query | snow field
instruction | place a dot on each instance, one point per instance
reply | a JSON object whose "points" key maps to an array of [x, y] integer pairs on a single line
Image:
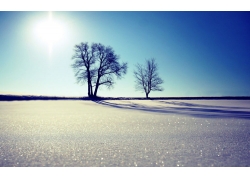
{"points": [[125, 133]]}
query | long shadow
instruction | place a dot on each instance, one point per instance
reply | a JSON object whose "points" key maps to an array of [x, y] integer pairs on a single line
{"points": [[198, 111], [200, 105]]}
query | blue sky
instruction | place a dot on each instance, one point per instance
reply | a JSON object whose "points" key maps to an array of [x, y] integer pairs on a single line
{"points": [[198, 53]]}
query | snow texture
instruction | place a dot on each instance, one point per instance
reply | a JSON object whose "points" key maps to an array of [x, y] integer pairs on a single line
{"points": [[125, 133]]}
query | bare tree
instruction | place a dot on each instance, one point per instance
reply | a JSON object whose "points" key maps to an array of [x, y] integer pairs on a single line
{"points": [[97, 66], [84, 59], [108, 67], [147, 78]]}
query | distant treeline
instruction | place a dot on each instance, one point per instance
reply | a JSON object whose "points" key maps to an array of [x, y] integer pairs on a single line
{"points": [[27, 98]]}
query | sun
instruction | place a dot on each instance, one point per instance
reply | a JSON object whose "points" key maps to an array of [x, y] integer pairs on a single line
{"points": [[50, 31]]}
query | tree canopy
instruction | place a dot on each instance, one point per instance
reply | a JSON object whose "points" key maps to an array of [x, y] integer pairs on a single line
{"points": [[97, 65], [147, 78]]}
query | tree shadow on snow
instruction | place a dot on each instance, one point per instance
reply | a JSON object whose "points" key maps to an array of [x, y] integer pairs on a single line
{"points": [[187, 109], [200, 105]]}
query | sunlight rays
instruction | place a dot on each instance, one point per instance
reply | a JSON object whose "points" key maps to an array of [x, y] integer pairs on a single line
{"points": [[50, 31]]}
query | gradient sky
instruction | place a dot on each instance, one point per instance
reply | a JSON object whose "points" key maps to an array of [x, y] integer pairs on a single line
{"points": [[198, 53]]}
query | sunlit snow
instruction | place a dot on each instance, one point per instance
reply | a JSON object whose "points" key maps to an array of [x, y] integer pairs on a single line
{"points": [[125, 133]]}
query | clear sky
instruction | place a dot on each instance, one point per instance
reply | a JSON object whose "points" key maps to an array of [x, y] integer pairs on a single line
{"points": [[198, 53]]}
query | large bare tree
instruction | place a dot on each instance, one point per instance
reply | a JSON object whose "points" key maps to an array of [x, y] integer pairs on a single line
{"points": [[147, 78], [97, 65], [107, 67], [84, 59]]}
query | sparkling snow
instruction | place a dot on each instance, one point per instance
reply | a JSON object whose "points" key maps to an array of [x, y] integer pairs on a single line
{"points": [[125, 133]]}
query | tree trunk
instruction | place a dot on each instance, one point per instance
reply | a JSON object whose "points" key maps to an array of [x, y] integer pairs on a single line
{"points": [[147, 95], [96, 86], [91, 90], [89, 83], [88, 89]]}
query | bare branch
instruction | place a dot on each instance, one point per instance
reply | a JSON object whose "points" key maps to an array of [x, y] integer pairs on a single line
{"points": [[96, 65], [147, 78]]}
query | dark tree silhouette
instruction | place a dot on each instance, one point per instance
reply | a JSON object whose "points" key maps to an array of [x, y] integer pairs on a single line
{"points": [[107, 67], [147, 78], [97, 65], [84, 59]]}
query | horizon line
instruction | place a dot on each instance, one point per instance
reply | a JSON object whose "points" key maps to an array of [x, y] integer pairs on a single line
{"points": [[9, 97]]}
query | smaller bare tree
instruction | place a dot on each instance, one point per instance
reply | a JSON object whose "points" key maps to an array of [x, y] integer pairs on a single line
{"points": [[147, 78]]}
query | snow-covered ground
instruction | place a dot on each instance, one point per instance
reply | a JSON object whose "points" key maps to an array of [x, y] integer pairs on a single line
{"points": [[125, 133]]}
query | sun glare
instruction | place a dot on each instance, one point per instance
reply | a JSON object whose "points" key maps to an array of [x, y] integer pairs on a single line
{"points": [[50, 31]]}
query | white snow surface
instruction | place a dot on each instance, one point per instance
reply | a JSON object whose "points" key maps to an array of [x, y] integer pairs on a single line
{"points": [[142, 133]]}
